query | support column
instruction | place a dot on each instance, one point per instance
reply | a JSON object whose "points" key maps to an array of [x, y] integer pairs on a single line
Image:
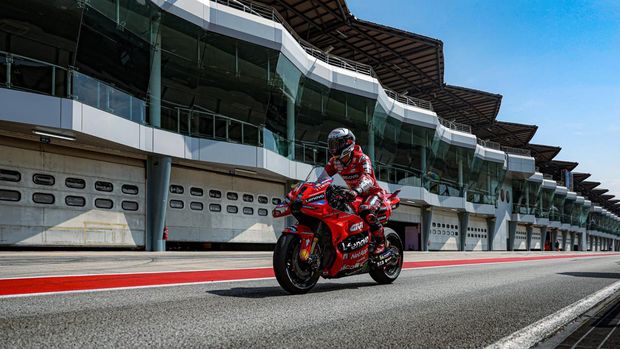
{"points": [[427, 218], [461, 175], [528, 239], [371, 141], [158, 182], [512, 232], [290, 126], [463, 222], [543, 237], [423, 166], [491, 233], [155, 75], [564, 233], [573, 236]]}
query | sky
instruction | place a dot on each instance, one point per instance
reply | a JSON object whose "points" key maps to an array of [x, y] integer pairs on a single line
{"points": [[556, 63]]}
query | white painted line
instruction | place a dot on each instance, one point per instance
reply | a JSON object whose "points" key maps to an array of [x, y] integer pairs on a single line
{"points": [[536, 332]]}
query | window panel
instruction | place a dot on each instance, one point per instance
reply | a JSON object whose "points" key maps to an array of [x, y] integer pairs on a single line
{"points": [[77, 201], [104, 186], [43, 179], [129, 205], [75, 183], [129, 189], [178, 204], [10, 195], [43, 198], [106, 204], [10, 175]]}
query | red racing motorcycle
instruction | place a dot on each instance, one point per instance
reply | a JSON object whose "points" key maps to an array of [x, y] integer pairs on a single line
{"points": [[330, 239]]}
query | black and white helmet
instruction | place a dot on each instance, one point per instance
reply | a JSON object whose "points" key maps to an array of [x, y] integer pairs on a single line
{"points": [[341, 142]]}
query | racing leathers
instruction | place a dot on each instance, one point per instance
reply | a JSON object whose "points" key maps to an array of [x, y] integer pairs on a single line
{"points": [[360, 178]]}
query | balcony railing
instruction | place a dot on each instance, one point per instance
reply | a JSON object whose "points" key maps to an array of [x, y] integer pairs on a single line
{"points": [[270, 13], [517, 151], [489, 144], [416, 102], [27, 74], [455, 125]]}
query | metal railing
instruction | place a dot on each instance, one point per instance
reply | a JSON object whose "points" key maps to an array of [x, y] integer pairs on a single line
{"points": [[516, 151], [270, 13], [489, 144], [416, 102], [398, 174], [454, 125], [50, 79]]}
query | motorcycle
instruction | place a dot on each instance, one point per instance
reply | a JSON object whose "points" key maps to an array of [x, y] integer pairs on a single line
{"points": [[330, 239]]}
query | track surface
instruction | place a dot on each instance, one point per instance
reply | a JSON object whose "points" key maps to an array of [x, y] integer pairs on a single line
{"points": [[464, 306]]}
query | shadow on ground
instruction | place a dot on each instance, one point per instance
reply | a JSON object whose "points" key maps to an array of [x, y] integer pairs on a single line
{"points": [[276, 291], [593, 275]]}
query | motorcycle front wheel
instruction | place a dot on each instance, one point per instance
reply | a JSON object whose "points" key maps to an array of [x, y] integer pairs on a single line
{"points": [[389, 273], [295, 276]]}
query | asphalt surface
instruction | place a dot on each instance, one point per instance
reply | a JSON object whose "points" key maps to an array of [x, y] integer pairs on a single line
{"points": [[459, 307]]}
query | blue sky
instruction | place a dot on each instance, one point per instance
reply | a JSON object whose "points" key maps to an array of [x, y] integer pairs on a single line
{"points": [[557, 64]]}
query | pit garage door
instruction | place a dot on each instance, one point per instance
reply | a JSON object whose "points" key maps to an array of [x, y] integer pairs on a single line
{"points": [[535, 242], [49, 199], [477, 234], [206, 206], [444, 232], [520, 243]]}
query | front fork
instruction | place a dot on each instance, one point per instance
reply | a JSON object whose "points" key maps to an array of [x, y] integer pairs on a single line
{"points": [[308, 240], [308, 243]]}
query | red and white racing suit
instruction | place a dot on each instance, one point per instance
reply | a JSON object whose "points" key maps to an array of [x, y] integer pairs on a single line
{"points": [[360, 177]]}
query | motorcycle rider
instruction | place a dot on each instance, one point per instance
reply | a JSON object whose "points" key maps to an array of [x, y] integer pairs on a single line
{"points": [[355, 167]]}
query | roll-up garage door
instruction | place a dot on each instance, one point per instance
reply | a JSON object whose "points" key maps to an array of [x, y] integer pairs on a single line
{"points": [[49, 199], [206, 206]]}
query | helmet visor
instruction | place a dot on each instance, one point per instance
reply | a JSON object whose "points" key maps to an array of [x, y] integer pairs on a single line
{"points": [[335, 146]]}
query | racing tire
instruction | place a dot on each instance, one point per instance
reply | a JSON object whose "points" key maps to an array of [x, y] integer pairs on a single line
{"points": [[294, 276], [388, 274]]}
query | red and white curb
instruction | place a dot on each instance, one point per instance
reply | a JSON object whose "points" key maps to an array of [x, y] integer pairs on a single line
{"points": [[44, 285]]}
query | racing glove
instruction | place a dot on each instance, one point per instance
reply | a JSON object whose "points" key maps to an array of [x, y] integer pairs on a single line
{"points": [[350, 194]]}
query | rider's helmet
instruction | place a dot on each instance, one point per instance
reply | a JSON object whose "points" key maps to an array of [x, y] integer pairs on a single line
{"points": [[341, 142]]}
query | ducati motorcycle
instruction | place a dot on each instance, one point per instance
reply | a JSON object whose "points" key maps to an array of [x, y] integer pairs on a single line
{"points": [[330, 239]]}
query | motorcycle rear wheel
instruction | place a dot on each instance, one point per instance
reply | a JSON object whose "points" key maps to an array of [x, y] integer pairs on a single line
{"points": [[389, 273], [295, 276]]}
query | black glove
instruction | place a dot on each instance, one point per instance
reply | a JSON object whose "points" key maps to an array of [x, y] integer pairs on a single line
{"points": [[350, 194]]}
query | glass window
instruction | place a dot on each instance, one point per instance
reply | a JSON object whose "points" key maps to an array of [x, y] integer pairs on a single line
{"points": [[248, 198], [129, 205], [232, 196], [43, 179], [263, 199], [215, 207], [75, 183], [106, 204], [196, 191], [262, 212], [232, 209], [215, 194], [104, 186], [129, 189], [10, 176], [276, 201], [77, 201], [178, 204], [248, 211], [176, 189], [43, 198], [10, 195], [196, 206]]}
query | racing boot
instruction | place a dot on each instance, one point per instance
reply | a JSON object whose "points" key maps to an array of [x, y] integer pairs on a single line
{"points": [[379, 238]]}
